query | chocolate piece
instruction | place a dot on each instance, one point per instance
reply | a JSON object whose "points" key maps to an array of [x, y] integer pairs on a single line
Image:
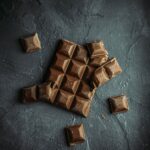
{"points": [[107, 71], [75, 134], [81, 106], [97, 49], [118, 104], [31, 43], [47, 92], [113, 68], [30, 94], [100, 77], [64, 99]]}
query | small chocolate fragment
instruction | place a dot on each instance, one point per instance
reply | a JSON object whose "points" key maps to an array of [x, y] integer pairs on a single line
{"points": [[75, 134], [112, 68], [118, 104], [47, 92], [31, 43], [30, 94]]}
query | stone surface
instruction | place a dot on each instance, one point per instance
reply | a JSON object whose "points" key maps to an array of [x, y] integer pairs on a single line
{"points": [[124, 26]]}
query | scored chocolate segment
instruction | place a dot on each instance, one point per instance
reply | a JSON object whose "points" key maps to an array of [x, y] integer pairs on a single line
{"points": [[81, 106], [81, 54], [70, 84], [64, 99], [47, 92], [76, 69], [100, 77], [75, 134], [113, 68], [119, 104], [66, 47], [61, 62], [56, 76], [30, 94]]}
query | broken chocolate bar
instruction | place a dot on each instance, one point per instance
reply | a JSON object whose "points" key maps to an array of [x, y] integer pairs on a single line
{"points": [[75, 134], [118, 104], [30, 94], [31, 43]]}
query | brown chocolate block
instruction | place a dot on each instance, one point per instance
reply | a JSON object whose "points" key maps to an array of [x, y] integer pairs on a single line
{"points": [[70, 84], [30, 94], [81, 106], [61, 62], [81, 54], [112, 68], [97, 49], [100, 77], [76, 69], [56, 76], [75, 134], [66, 48], [89, 72], [47, 92], [118, 104], [64, 99], [31, 43], [85, 91]]}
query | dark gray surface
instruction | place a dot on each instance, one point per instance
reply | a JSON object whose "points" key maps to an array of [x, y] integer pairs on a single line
{"points": [[124, 26]]}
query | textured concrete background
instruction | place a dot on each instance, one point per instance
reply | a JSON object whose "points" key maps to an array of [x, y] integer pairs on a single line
{"points": [[124, 26]]}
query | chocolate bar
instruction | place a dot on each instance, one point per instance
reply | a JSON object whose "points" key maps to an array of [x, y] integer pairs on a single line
{"points": [[31, 43], [118, 104], [75, 74], [75, 134]]}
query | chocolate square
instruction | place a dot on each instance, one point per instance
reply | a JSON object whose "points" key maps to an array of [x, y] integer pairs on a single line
{"points": [[64, 99], [66, 47], [113, 68], [31, 43], [118, 104], [70, 84], [76, 69], [100, 77], [30, 94], [75, 134], [81, 106], [47, 92], [97, 49], [56, 76], [61, 62]]}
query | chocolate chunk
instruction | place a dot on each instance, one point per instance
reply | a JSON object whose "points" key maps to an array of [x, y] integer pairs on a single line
{"points": [[81, 106], [64, 99], [112, 68], [100, 77], [30, 94], [47, 92], [31, 43], [75, 134], [97, 49], [118, 104]]}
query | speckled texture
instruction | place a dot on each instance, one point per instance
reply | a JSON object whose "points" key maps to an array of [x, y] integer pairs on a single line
{"points": [[125, 28]]}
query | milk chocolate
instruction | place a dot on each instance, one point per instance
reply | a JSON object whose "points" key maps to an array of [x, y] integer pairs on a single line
{"points": [[75, 134], [30, 94], [118, 104], [31, 43]]}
